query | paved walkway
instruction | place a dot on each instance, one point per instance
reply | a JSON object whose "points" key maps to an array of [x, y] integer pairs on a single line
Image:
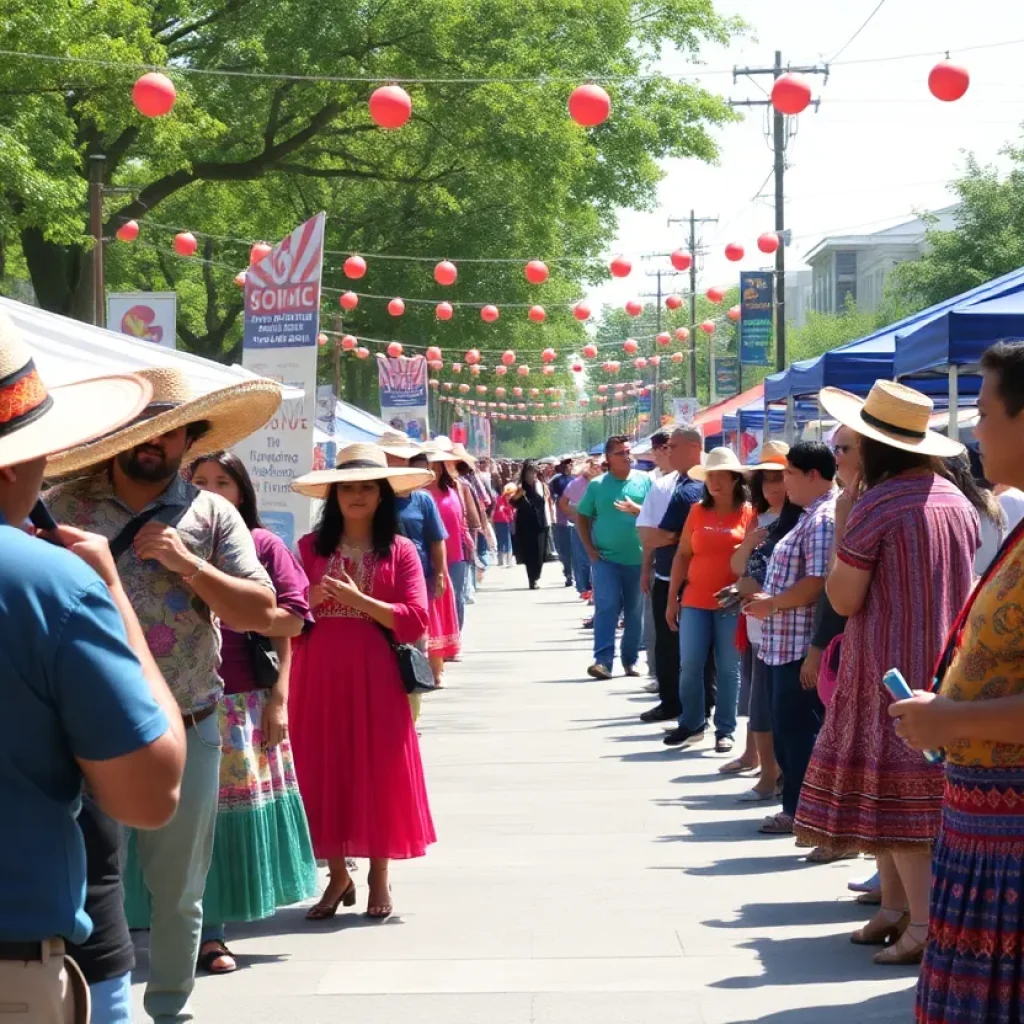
{"points": [[584, 873]]}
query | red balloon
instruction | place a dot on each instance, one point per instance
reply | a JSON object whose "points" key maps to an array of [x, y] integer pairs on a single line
{"points": [[501, 370], [348, 343], [589, 105], [630, 346], [500, 392], [734, 252], [394, 349], [390, 106], [321, 339], [681, 260], [654, 360], [536, 272], [475, 370], [791, 94], [464, 388], [534, 393], [363, 353], [620, 267], [673, 302], [640, 362], [948, 82], [445, 272], [348, 300], [548, 369], [682, 333], [583, 400], [581, 311], [734, 313], [444, 311], [602, 388], [664, 338], [768, 242], [185, 243], [259, 252], [456, 367], [128, 231], [537, 314], [577, 367], [481, 389], [396, 307], [715, 294], [518, 392], [489, 314], [708, 326], [634, 308], [433, 353], [524, 371], [549, 355], [508, 357], [435, 383], [436, 364], [355, 267], [590, 351], [472, 357], [676, 357], [240, 279], [154, 94]]}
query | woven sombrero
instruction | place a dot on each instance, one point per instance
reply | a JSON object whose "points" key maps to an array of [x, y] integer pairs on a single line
{"points": [[398, 444], [359, 462], [36, 422], [231, 414]]}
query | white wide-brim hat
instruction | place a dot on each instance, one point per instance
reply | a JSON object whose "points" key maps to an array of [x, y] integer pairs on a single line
{"points": [[398, 444], [717, 460], [361, 462]]}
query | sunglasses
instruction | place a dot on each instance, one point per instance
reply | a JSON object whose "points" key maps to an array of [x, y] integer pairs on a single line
{"points": [[842, 449]]}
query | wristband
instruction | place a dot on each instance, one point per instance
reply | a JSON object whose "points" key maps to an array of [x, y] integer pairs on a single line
{"points": [[198, 565]]}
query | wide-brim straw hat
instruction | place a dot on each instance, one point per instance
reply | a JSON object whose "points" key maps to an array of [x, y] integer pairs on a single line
{"points": [[37, 422], [441, 449], [773, 458], [231, 414], [398, 444], [893, 414], [718, 459], [357, 463]]}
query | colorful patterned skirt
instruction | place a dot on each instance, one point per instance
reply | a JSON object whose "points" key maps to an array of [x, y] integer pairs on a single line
{"points": [[262, 853], [443, 639], [972, 969]]}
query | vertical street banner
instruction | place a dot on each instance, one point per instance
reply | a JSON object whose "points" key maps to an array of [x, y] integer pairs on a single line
{"points": [[148, 316], [757, 313], [479, 435], [727, 376], [402, 383], [684, 410], [282, 320]]}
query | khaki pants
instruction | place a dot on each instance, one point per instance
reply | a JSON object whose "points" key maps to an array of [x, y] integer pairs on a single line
{"points": [[47, 991]]}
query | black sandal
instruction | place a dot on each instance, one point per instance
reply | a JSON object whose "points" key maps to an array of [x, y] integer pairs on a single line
{"points": [[324, 911], [206, 960]]}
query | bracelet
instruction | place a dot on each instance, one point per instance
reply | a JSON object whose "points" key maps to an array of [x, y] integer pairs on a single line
{"points": [[198, 566]]}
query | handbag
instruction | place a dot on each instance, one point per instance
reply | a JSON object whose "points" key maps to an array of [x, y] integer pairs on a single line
{"points": [[413, 666], [264, 660]]}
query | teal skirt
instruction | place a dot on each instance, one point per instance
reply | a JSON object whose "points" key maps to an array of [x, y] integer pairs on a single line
{"points": [[262, 854]]}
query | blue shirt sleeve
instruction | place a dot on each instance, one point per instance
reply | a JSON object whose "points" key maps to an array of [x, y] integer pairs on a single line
{"points": [[101, 695], [433, 527]]}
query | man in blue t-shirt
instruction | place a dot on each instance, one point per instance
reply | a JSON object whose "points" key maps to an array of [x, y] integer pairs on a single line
{"points": [[81, 692]]}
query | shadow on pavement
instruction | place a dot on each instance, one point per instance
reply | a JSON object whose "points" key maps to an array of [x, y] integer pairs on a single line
{"points": [[893, 1006], [789, 915], [746, 866]]}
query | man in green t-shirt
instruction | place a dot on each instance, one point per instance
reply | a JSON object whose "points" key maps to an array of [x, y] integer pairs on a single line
{"points": [[606, 520]]}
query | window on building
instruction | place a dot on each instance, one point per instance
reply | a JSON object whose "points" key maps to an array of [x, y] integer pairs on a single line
{"points": [[846, 278]]}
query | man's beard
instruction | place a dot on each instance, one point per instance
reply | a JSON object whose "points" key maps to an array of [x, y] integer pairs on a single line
{"points": [[154, 470]]}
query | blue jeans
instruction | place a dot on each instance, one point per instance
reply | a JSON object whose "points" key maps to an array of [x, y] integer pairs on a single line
{"points": [[112, 1000], [698, 628], [458, 571], [580, 561], [616, 592], [503, 535], [563, 547], [797, 715]]}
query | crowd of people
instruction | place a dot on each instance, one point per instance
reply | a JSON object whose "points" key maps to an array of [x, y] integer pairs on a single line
{"points": [[204, 714]]}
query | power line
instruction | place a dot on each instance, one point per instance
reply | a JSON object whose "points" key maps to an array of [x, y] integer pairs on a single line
{"points": [[867, 21]]}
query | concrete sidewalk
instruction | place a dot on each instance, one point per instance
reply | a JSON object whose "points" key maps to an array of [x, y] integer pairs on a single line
{"points": [[583, 872]]}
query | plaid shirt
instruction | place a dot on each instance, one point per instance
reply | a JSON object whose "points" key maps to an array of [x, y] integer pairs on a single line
{"points": [[804, 551]]}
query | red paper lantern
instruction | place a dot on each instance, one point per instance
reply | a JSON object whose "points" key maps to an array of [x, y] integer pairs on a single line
{"points": [[583, 400], [549, 355], [537, 314], [501, 370], [676, 357], [734, 313], [363, 353], [348, 343], [524, 371], [589, 105], [948, 82], [734, 252], [445, 273], [634, 308], [518, 392], [348, 300], [464, 389], [590, 350], [433, 353], [240, 279], [715, 294], [436, 364], [630, 346], [581, 311], [321, 339], [444, 311], [489, 314], [355, 267], [791, 94], [614, 366], [128, 231], [508, 357], [396, 307], [534, 392], [536, 272], [547, 370], [768, 242], [394, 349], [447, 385], [708, 326], [475, 370], [654, 360], [500, 392], [390, 106], [481, 389], [259, 252], [620, 267], [673, 302], [576, 367], [435, 383], [154, 94], [640, 362], [681, 260], [682, 333], [185, 243], [456, 367], [473, 357], [664, 338]]}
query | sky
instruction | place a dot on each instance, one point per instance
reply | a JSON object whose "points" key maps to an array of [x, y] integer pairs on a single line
{"points": [[880, 148]]}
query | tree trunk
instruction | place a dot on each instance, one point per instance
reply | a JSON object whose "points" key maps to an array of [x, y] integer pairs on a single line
{"points": [[58, 274]]}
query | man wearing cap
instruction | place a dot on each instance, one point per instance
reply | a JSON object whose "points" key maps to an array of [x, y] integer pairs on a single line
{"points": [[188, 560], [81, 691]]}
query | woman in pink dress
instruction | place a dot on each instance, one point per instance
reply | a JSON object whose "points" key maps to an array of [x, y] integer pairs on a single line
{"points": [[445, 492], [356, 752]]}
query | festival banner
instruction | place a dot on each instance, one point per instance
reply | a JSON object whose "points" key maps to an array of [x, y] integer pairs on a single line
{"points": [[757, 312], [282, 320], [479, 442], [403, 394], [149, 316], [684, 410], [727, 376]]}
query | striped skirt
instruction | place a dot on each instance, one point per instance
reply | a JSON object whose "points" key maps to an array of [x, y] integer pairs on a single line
{"points": [[972, 969]]}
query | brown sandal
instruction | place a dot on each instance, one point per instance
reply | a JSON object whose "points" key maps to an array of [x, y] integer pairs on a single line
{"points": [[906, 950], [324, 911], [880, 932]]}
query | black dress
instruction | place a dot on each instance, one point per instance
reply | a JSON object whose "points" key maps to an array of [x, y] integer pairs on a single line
{"points": [[530, 542]]}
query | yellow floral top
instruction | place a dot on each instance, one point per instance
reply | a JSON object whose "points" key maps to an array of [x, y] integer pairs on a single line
{"points": [[989, 662]]}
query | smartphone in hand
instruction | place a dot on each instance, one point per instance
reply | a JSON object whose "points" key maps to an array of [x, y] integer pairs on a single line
{"points": [[41, 519]]}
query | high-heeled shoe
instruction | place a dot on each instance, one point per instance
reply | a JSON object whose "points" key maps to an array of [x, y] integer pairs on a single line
{"points": [[906, 950], [878, 933], [324, 911], [380, 911]]}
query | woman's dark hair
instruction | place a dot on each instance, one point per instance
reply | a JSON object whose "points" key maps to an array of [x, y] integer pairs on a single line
{"points": [[957, 470], [1005, 359], [522, 473], [445, 481], [235, 468], [332, 523], [420, 461], [739, 493], [757, 498], [464, 468], [879, 461]]}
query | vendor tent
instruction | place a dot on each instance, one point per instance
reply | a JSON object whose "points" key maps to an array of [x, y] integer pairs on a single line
{"points": [[710, 419], [352, 424]]}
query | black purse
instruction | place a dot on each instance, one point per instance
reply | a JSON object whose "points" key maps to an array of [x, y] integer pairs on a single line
{"points": [[413, 665], [264, 660]]}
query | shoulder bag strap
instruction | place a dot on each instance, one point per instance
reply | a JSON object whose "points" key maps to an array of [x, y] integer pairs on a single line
{"points": [[123, 541]]}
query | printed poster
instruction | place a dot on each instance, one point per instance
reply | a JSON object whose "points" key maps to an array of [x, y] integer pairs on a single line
{"points": [[402, 383], [148, 316], [757, 318], [684, 410]]}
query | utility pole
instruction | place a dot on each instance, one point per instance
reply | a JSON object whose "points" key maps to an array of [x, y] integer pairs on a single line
{"points": [[694, 250], [781, 133], [97, 164], [656, 401]]}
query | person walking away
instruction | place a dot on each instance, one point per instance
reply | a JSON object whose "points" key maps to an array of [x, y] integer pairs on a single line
{"points": [[459, 549], [504, 515], [89, 705], [531, 523], [714, 529], [660, 524], [560, 528], [607, 529], [793, 584], [974, 962], [356, 751], [569, 502], [904, 567], [188, 560]]}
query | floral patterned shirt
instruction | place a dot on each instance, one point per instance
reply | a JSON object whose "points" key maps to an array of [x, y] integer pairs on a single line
{"points": [[181, 631]]}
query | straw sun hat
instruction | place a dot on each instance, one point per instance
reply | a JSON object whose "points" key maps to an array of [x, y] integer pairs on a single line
{"points": [[441, 449], [360, 462], [398, 444], [36, 422], [717, 459], [773, 458], [231, 413], [893, 414]]}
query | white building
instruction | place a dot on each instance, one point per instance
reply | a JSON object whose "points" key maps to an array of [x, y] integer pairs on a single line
{"points": [[798, 297], [856, 266]]}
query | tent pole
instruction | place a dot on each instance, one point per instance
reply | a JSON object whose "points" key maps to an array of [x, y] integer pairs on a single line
{"points": [[954, 403], [790, 434]]}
